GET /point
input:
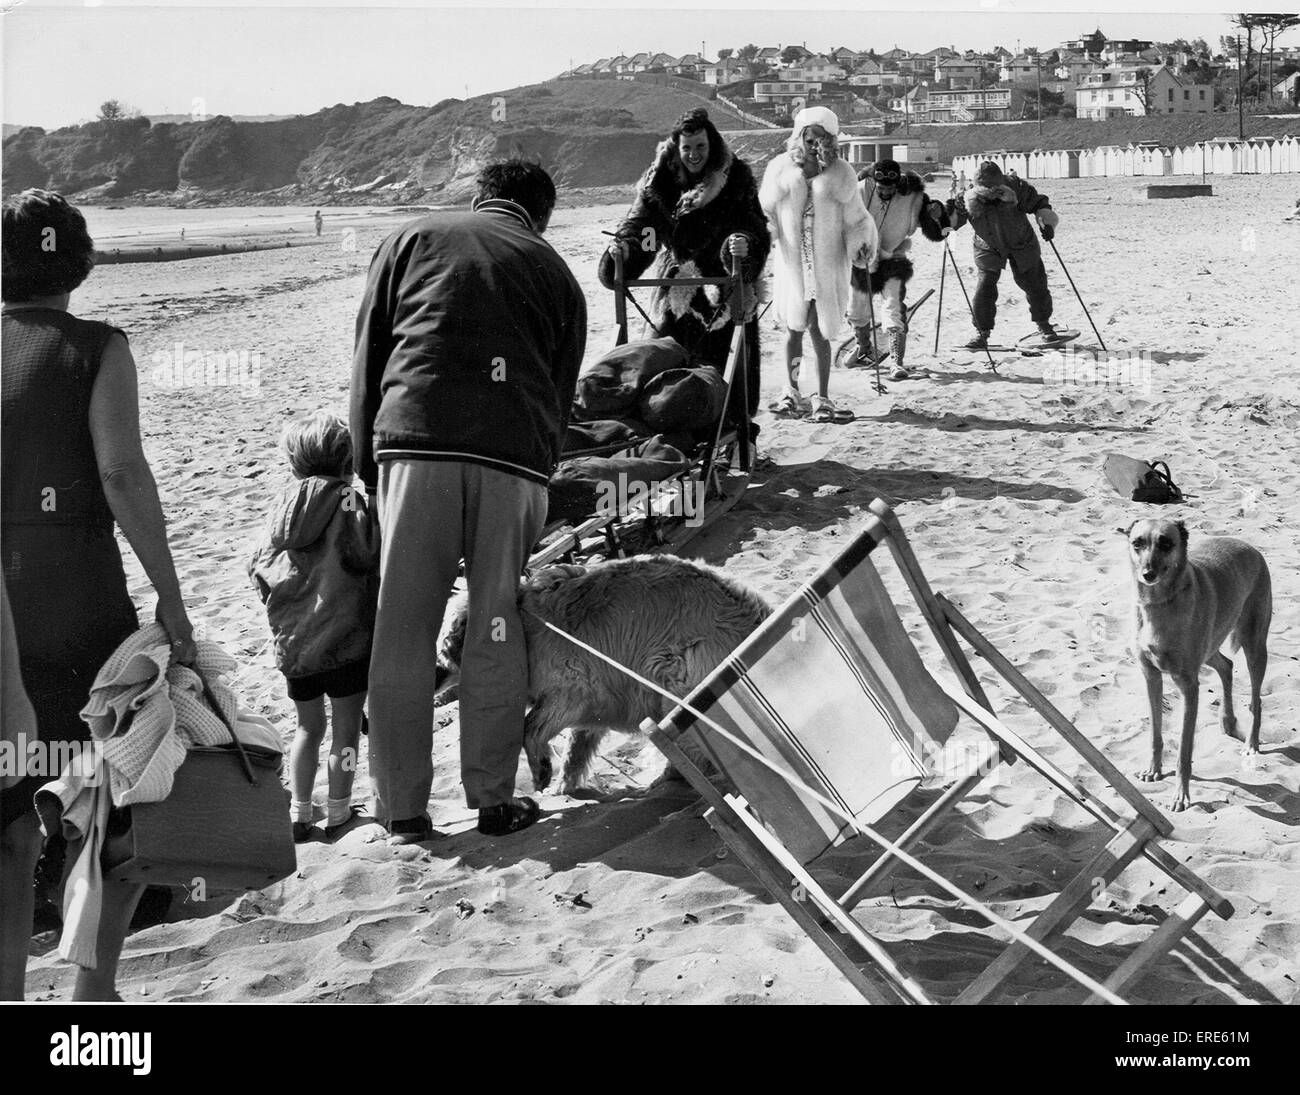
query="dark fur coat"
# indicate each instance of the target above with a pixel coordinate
(681, 228)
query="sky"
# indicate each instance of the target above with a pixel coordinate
(62, 59)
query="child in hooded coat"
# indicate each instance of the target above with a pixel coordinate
(317, 572)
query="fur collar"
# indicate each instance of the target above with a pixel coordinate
(837, 182)
(981, 198)
(682, 197)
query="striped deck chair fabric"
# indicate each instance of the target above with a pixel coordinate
(832, 690)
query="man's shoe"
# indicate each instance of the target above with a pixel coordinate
(979, 342)
(1048, 332)
(411, 830)
(302, 831)
(509, 817)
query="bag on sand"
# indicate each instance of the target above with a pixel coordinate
(226, 822)
(1140, 480)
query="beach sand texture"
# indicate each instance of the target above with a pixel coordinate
(628, 896)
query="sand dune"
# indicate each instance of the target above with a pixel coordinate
(629, 896)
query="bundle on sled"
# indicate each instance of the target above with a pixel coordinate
(656, 450)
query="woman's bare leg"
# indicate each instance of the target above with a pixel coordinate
(20, 848)
(120, 900)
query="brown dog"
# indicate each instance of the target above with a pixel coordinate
(1186, 604)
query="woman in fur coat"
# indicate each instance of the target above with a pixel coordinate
(697, 205)
(821, 230)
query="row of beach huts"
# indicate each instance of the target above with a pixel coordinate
(1256, 156)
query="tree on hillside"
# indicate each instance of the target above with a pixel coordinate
(1271, 25)
(791, 54)
(114, 110)
(723, 54)
(748, 53)
(1142, 88)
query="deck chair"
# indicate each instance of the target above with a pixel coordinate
(826, 719)
(719, 472)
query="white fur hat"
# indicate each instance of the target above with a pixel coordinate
(817, 115)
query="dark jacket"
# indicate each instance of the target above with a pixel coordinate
(1001, 228)
(685, 225)
(317, 572)
(468, 344)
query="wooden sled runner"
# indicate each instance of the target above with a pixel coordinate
(667, 516)
(826, 719)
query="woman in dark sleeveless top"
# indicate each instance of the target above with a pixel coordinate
(72, 466)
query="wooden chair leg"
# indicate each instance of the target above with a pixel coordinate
(798, 874)
(1177, 924)
(883, 867)
(1077, 896)
(773, 879)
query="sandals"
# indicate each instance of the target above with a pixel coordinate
(790, 405)
(825, 410)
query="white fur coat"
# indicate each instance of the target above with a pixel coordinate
(841, 226)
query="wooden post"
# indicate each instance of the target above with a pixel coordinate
(620, 297)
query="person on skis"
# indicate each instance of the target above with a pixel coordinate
(897, 202)
(998, 207)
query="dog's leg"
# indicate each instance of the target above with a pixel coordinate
(582, 748)
(1155, 698)
(1256, 662)
(1223, 666)
(1189, 685)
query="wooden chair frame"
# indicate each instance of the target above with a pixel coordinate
(828, 920)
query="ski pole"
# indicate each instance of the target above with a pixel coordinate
(871, 324)
(1077, 294)
(956, 270)
(938, 318)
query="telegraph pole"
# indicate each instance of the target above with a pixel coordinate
(1241, 122)
(1038, 71)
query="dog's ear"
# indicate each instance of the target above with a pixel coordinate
(1182, 531)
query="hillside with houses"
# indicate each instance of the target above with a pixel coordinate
(1092, 77)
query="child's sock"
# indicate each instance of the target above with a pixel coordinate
(300, 811)
(338, 810)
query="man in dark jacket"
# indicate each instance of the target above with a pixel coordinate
(469, 340)
(998, 207)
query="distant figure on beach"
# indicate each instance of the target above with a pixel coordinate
(821, 230)
(317, 572)
(696, 206)
(182, 233)
(320, 221)
(898, 205)
(469, 340)
(998, 208)
(73, 468)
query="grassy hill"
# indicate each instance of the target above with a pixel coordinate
(587, 133)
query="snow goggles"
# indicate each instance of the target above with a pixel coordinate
(886, 176)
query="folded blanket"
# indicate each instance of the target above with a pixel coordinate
(143, 717)
(579, 486)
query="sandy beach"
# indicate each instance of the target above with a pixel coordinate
(627, 895)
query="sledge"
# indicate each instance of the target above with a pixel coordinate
(666, 515)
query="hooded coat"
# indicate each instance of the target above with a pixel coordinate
(841, 228)
(1000, 217)
(317, 572)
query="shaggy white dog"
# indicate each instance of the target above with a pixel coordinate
(671, 620)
